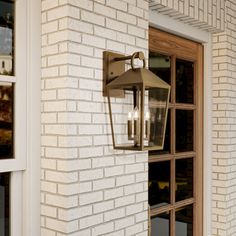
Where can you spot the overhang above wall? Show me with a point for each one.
(206, 15)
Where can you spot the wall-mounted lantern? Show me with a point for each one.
(138, 103)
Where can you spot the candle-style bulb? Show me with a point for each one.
(136, 126)
(136, 113)
(129, 124)
(129, 115)
(147, 125)
(147, 115)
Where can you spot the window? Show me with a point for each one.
(12, 111)
(175, 173)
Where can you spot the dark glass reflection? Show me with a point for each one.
(6, 121)
(160, 225)
(184, 221)
(157, 107)
(166, 148)
(184, 130)
(4, 204)
(6, 37)
(159, 184)
(184, 178)
(184, 81)
(160, 65)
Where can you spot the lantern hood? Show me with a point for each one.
(137, 77)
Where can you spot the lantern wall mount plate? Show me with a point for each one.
(138, 103)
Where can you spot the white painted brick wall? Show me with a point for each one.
(87, 187)
(204, 14)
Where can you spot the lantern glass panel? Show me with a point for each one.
(126, 118)
(157, 104)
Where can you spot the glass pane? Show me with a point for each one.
(157, 107)
(4, 204)
(6, 37)
(184, 221)
(184, 178)
(184, 81)
(160, 225)
(160, 65)
(166, 148)
(159, 184)
(184, 130)
(6, 120)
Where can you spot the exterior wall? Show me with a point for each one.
(87, 188)
(224, 134)
(203, 14)
(221, 19)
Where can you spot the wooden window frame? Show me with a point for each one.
(177, 47)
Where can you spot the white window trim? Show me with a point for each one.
(25, 167)
(179, 28)
(31, 176)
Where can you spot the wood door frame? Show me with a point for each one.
(172, 45)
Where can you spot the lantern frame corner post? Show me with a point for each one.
(111, 119)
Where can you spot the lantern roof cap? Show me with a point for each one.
(138, 77)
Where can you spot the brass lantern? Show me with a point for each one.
(138, 103)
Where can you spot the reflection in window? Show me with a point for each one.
(184, 178)
(6, 120)
(184, 130)
(159, 184)
(4, 204)
(161, 66)
(184, 81)
(160, 225)
(184, 221)
(167, 140)
(6, 36)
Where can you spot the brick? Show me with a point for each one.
(103, 184)
(102, 229)
(88, 198)
(46, 5)
(88, 4)
(113, 193)
(90, 174)
(133, 230)
(117, 4)
(92, 18)
(65, 227)
(114, 214)
(127, 18)
(91, 220)
(49, 187)
(103, 206)
(105, 33)
(49, 211)
(115, 25)
(91, 40)
(113, 171)
(90, 152)
(123, 223)
(102, 162)
(104, 10)
(73, 214)
(61, 152)
(61, 201)
(125, 180)
(79, 141)
(61, 177)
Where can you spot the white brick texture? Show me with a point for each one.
(88, 188)
(204, 14)
(224, 122)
